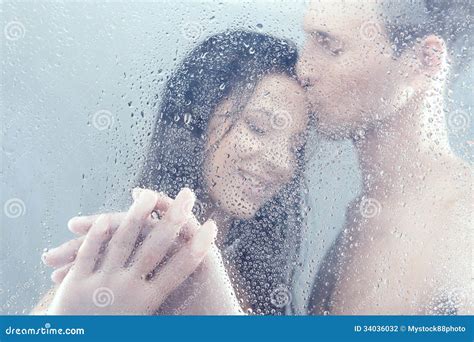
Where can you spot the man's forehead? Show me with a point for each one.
(338, 17)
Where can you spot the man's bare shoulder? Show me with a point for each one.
(453, 177)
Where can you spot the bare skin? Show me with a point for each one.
(405, 259)
(210, 274)
(251, 157)
(108, 266)
(407, 245)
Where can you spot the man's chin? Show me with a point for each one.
(334, 132)
(346, 129)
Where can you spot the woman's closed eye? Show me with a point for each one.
(256, 127)
(330, 45)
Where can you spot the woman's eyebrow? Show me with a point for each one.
(265, 111)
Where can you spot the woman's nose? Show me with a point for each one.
(280, 157)
(306, 70)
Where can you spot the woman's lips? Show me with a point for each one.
(256, 186)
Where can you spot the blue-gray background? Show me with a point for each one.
(64, 65)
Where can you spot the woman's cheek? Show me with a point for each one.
(247, 143)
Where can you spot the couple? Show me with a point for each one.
(232, 126)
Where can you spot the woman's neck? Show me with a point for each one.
(401, 152)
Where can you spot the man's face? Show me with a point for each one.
(352, 79)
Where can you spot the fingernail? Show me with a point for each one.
(214, 230)
(47, 255)
(54, 277)
(182, 207)
(202, 242)
(189, 205)
(49, 251)
(43, 257)
(136, 193)
(200, 245)
(149, 196)
(72, 221)
(189, 201)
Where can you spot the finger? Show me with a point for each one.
(163, 200)
(80, 225)
(147, 259)
(186, 233)
(162, 207)
(123, 241)
(63, 254)
(66, 253)
(165, 232)
(185, 261)
(58, 275)
(88, 253)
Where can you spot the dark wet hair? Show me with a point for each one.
(411, 20)
(226, 65)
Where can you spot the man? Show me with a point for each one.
(376, 73)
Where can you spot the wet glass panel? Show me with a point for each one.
(324, 148)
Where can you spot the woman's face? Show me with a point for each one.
(253, 152)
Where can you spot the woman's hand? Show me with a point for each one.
(111, 275)
(207, 291)
(62, 257)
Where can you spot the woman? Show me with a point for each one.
(231, 126)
